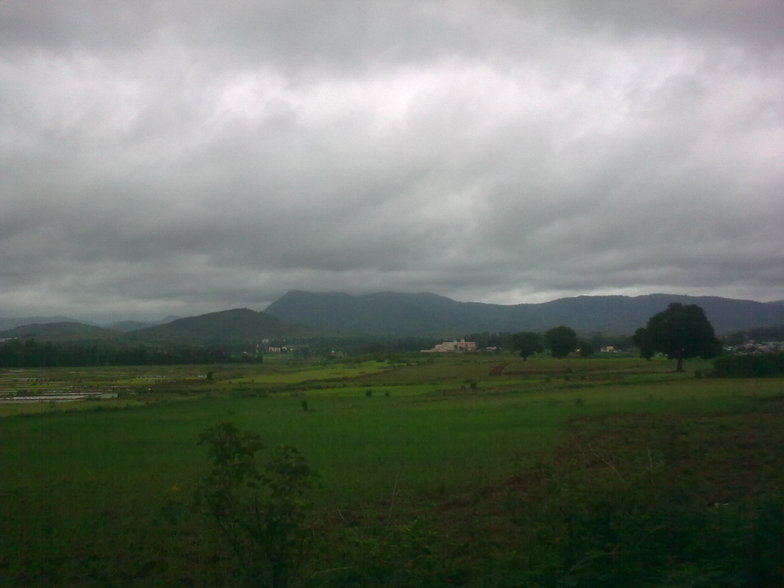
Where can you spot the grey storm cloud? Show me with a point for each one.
(167, 156)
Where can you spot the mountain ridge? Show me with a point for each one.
(59, 331)
(304, 314)
(233, 325)
(427, 314)
(7, 323)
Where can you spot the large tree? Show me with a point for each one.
(642, 340)
(586, 348)
(527, 343)
(680, 332)
(561, 341)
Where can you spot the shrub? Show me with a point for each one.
(260, 510)
(749, 366)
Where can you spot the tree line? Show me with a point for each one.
(30, 353)
(559, 341)
(680, 332)
(772, 333)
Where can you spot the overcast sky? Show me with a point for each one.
(176, 157)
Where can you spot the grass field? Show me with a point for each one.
(97, 492)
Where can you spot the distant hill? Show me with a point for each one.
(59, 331)
(10, 323)
(228, 326)
(301, 315)
(127, 326)
(397, 314)
(375, 314)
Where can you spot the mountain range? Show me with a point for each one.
(61, 330)
(395, 314)
(239, 324)
(300, 315)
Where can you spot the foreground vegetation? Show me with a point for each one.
(431, 471)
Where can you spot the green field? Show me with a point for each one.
(99, 492)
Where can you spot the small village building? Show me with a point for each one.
(461, 346)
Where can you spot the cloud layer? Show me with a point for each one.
(179, 157)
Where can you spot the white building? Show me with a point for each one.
(461, 346)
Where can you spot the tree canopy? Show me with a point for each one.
(586, 348)
(527, 343)
(561, 341)
(642, 340)
(680, 332)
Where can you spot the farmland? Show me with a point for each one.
(427, 467)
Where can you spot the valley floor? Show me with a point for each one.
(433, 472)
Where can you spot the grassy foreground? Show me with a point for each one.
(433, 472)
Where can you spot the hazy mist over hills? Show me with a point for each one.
(300, 314)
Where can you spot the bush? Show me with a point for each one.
(749, 366)
(259, 511)
(635, 523)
